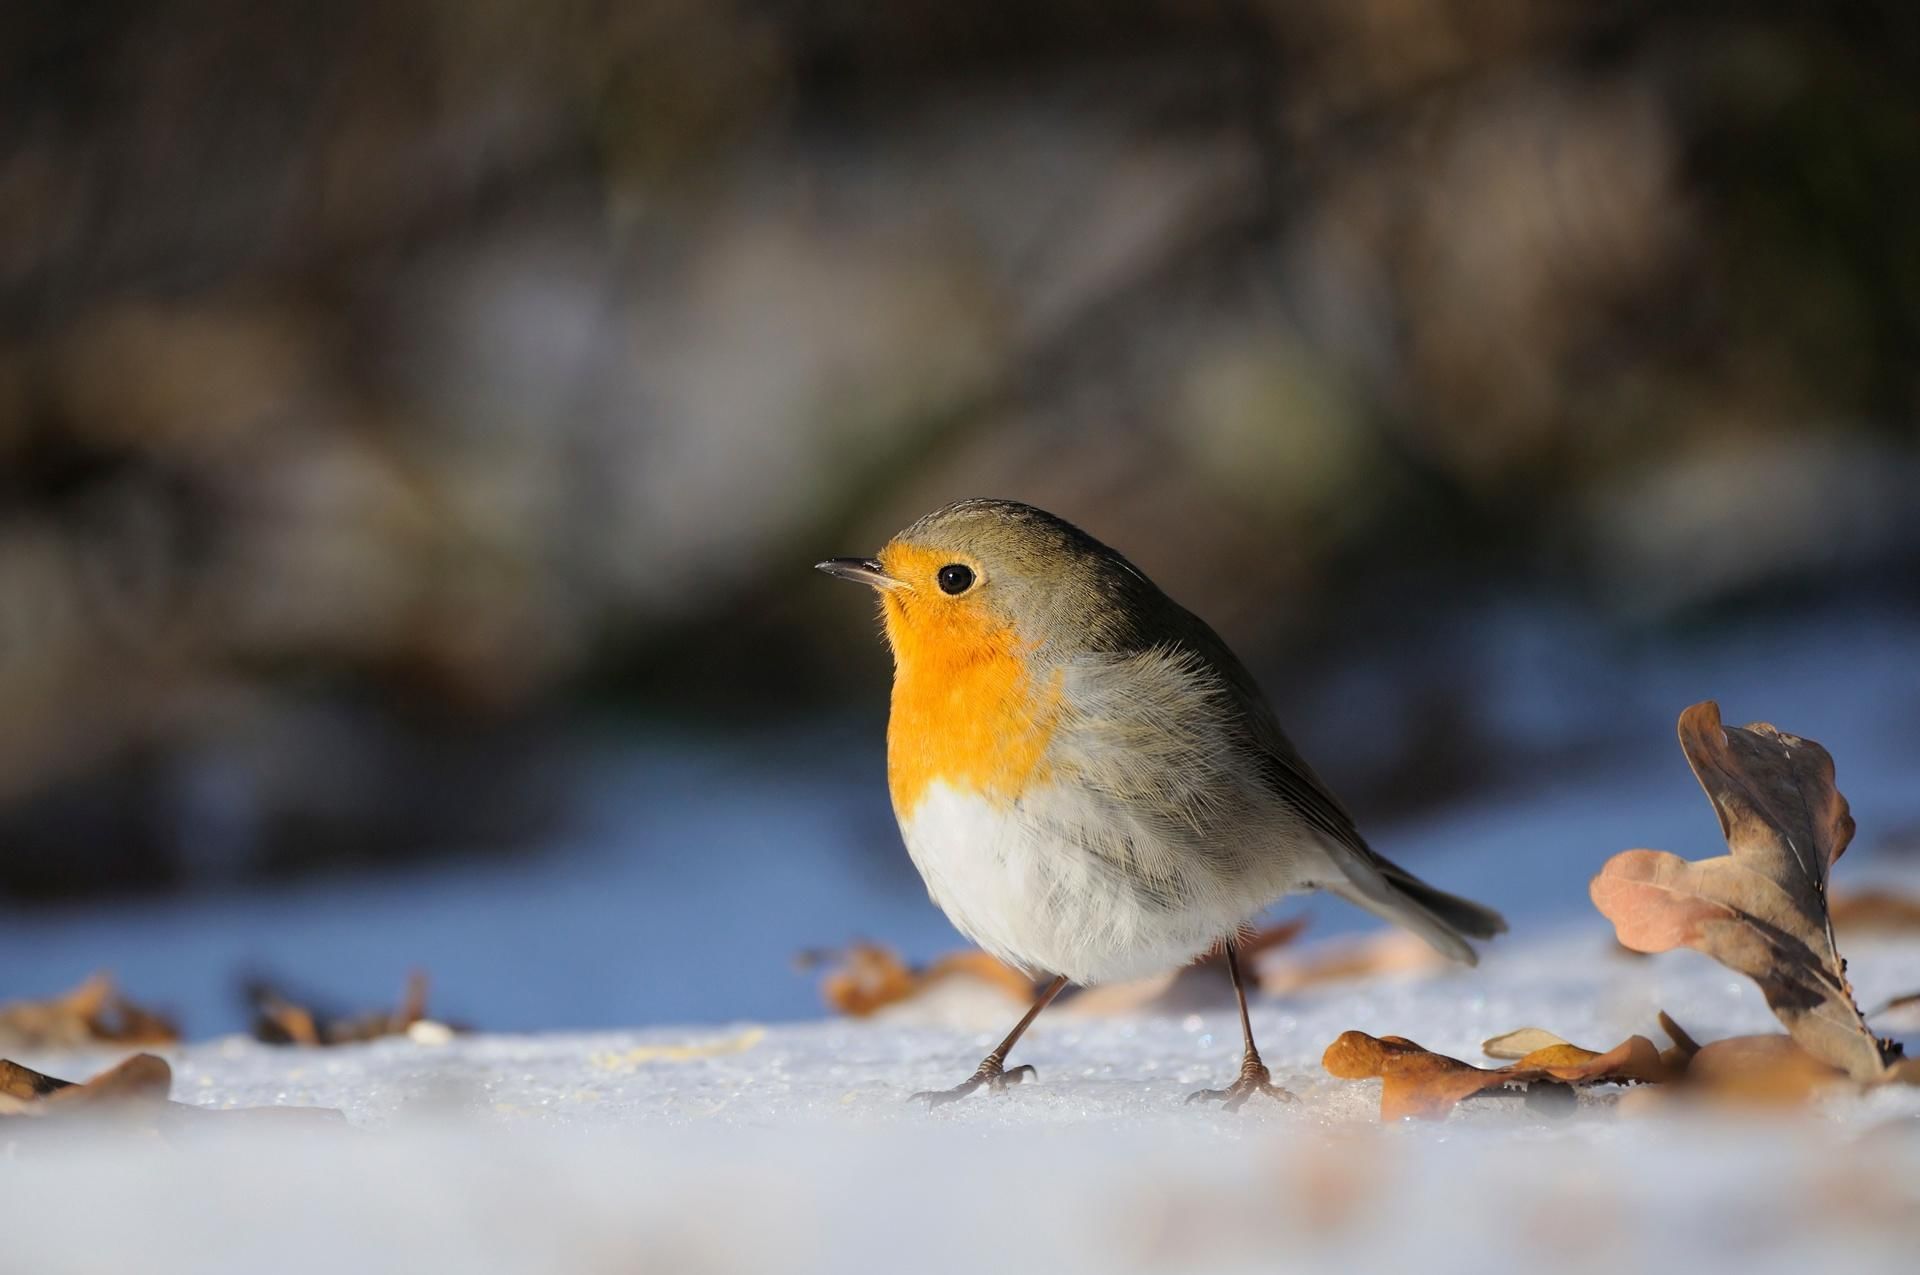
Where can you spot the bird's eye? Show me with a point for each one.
(955, 579)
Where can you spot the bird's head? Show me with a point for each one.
(983, 576)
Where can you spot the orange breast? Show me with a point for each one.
(967, 711)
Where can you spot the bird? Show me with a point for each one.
(1091, 784)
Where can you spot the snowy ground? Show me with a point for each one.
(747, 1147)
(771, 1144)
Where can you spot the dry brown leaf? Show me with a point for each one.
(1415, 1082)
(1875, 911)
(867, 977)
(1168, 993)
(976, 964)
(1254, 943)
(864, 978)
(1680, 1056)
(1769, 1071)
(279, 1020)
(133, 1093)
(1635, 1059)
(1199, 986)
(1388, 952)
(1560, 1055)
(141, 1079)
(91, 1014)
(1897, 1014)
(24, 1084)
(1682, 1041)
(1518, 1044)
(1419, 1083)
(1761, 909)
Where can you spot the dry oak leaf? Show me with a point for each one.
(1762, 909)
(866, 977)
(1518, 1044)
(1201, 984)
(91, 1014)
(133, 1094)
(1760, 1071)
(1393, 951)
(1680, 1057)
(1539, 1047)
(1874, 911)
(278, 1019)
(1419, 1083)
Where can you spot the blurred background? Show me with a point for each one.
(418, 420)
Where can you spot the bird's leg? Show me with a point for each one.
(1254, 1077)
(992, 1070)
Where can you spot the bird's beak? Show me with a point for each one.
(860, 571)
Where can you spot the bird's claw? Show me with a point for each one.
(994, 1078)
(1254, 1078)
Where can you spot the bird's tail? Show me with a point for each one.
(1389, 891)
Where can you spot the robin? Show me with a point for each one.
(1089, 781)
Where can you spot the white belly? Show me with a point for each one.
(1035, 899)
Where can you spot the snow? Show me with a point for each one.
(756, 1146)
(772, 1140)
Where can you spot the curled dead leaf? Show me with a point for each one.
(280, 1020)
(1388, 952)
(864, 978)
(982, 968)
(24, 1084)
(1760, 909)
(1421, 1084)
(1558, 1055)
(132, 1093)
(1766, 1071)
(94, 1013)
(1518, 1044)
(1684, 1047)
(1875, 911)
(1201, 985)
(141, 1079)
(1898, 1013)
(1635, 1060)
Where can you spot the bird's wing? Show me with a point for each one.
(1364, 876)
(1256, 732)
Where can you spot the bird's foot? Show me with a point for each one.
(1254, 1078)
(991, 1074)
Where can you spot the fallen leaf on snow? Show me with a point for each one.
(24, 1084)
(1680, 1056)
(278, 1019)
(1201, 985)
(1760, 1071)
(1419, 1083)
(1388, 952)
(1518, 1044)
(1875, 911)
(864, 978)
(1761, 909)
(91, 1014)
(1902, 1013)
(132, 1094)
